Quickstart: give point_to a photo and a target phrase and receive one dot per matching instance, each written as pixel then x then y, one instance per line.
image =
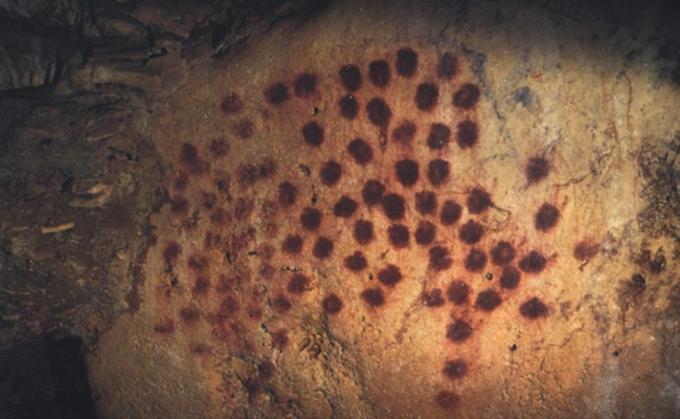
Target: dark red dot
pixel 585 250
pixel 537 169
pixel 433 298
pixel 345 207
pixel 467 96
pixel 244 128
pixel 330 173
pixel 292 244
pixel 198 264
pixel 276 93
pixel 471 232
pixel 349 107
pixel 219 147
pixel 171 253
pixel 356 262
pixel 478 201
pixel 182 181
pixel 475 260
pixel 279 341
pixel 305 85
pixel 407 62
pixel 510 277
pixel 427 95
pixel 390 275
pixel 179 205
pixel 426 202
pixel 467 134
pixel 455 369
pixel 350 76
pixel 379 73
pixel 440 258
pixel 166 327
pixel 201 285
pixel 322 248
pixel 310 218
pixel 189 157
pixel 425 233
pixel 313 134
pixel 447 66
pixel 287 194
pixel 373 297
pixel 458 292
pixel 189 314
pixel 332 304
pixel 533 308
pixel 534 262
pixel 439 136
pixel 398 235
pixel 298 284
pixel 458 331
pixel 502 253
pixel 405 132
pixel 450 212
pixel 546 217
pixel 363 231
pixel 360 150
pixel 281 304
pixel 372 192
pixel 447 400
pixel 407 172
pixel 438 171
pixel 488 300
pixel 231 104
pixel 393 206
pixel 379 112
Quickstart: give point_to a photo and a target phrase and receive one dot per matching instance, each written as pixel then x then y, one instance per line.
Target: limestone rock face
pixel 359 210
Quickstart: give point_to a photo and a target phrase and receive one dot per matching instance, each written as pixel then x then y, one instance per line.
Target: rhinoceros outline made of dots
pixel 407 198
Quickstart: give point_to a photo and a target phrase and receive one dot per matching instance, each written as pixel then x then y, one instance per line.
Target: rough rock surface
pixel 336 209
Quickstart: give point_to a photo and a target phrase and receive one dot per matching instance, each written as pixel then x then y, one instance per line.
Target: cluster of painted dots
pixel 432 174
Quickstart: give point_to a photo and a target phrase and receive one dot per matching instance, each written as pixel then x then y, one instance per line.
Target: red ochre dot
pixel 281 304
pixel 393 206
pixel 390 275
pixel 379 112
pixel 450 212
pixel 189 157
pixel 379 73
pixel 426 202
pixel 433 298
pixel 510 277
pixel 201 285
pixel 440 258
pixel 287 194
pixel 363 231
pixel 231 104
pixel 171 252
pixel 478 201
pixel 533 262
pixel 298 284
pixel 356 262
pixel 467 134
pixel 502 253
pixel 310 218
pixel 537 169
pixel 407 62
pixel 361 151
pixel 189 314
pixel 439 136
pixel 350 76
pixel 330 173
pixel 488 300
pixel 467 96
pixel 332 304
pixel 407 172
pixel 305 85
pixel 458 331
pixel 279 341
pixel 219 147
pixel 458 292
pixel 447 66
pixel 404 132
pixel 349 107
pixel 345 207
pixel 276 93
pixel 471 232
pixel 427 95
pixel 546 217
pixel 475 260
pixel 292 244
pixel 313 134
pixel 245 128
pixel 372 192
pixel 533 309
pixel 373 297
pixel 322 248
pixel 447 400
pixel 438 171
pixel 455 368
pixel 398 235
pixel 425 233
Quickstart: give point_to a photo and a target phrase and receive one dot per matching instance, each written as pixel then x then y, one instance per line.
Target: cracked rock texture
pixel 339 209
